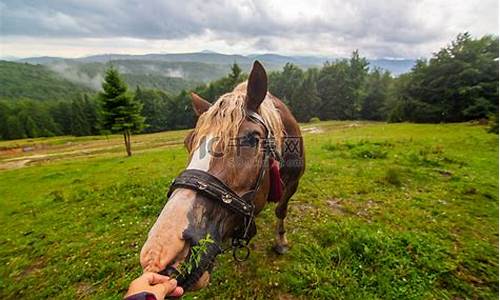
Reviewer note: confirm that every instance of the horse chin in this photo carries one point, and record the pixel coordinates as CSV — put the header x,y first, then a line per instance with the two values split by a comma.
x,y
202,282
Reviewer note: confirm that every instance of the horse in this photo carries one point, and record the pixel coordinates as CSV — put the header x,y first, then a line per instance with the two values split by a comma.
x,y
245,151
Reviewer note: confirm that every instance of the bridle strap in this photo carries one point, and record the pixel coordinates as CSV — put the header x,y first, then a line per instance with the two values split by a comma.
x,y
209,185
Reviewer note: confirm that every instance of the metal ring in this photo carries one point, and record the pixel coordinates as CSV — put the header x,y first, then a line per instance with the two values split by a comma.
x,y
246,253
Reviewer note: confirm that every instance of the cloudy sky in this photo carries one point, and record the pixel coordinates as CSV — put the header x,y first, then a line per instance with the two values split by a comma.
x,y
396,29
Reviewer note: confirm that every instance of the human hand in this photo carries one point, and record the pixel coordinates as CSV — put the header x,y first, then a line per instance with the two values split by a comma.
x,y
157,284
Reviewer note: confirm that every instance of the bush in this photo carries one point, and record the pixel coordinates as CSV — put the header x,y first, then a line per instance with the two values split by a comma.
x,y
393,176
493,124
314,120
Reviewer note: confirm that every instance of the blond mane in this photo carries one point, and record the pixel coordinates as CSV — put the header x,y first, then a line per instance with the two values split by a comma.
x,y
224,118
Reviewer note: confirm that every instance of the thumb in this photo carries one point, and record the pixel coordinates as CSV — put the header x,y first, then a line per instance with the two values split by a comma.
x,y
169,285
164,288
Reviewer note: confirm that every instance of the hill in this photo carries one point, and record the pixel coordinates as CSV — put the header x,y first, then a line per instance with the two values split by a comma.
x,y
64,79
22,80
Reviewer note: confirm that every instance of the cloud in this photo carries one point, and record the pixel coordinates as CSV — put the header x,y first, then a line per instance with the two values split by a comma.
x,y
329,27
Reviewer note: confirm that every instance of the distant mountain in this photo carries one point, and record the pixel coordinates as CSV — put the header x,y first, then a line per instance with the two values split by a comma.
x,y
223,61
41,60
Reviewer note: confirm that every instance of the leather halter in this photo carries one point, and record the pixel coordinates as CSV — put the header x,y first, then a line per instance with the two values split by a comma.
x,y
213,188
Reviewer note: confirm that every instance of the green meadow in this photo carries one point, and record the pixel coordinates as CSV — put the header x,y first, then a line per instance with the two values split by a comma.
x,y
384,211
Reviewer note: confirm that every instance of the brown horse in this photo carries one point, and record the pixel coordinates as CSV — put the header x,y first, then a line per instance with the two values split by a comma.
x,y
235,147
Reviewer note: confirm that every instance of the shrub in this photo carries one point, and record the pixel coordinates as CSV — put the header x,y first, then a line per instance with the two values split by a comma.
x,y
314,120
393,176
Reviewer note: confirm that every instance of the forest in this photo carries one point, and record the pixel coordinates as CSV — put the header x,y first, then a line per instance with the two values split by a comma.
x,y
458,83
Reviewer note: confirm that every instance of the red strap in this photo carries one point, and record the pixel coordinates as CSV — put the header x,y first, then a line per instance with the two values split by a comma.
x,y
276,190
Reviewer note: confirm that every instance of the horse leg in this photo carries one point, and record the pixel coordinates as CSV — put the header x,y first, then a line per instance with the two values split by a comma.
x,y
281,243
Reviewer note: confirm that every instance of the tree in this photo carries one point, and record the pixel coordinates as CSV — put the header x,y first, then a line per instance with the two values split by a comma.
x,y
4,114
15,129
305,100
79,122
91,112
334,91
459,83
235,75
377,91
283,85
358,71
155,110
62,115
224,85
120,112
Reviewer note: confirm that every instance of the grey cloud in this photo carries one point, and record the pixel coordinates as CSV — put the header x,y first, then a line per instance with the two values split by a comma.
x,y
379,26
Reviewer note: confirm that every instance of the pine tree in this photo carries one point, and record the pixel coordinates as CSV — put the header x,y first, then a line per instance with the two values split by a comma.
x,y
235,75
120,112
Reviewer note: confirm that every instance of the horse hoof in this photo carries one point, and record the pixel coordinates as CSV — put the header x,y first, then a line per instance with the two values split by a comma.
x,y
280,249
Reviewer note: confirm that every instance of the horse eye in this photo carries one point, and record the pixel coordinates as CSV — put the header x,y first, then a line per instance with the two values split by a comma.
x,y
250,140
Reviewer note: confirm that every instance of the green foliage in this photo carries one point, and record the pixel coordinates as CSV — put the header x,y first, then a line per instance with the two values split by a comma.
x,y
26,81
120,111
393,176
494,123
215,89
377,92
197,251
362,149
341,88
460,82
31,118
314,120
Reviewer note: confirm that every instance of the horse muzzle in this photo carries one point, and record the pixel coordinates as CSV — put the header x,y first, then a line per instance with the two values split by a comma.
x,y
189,272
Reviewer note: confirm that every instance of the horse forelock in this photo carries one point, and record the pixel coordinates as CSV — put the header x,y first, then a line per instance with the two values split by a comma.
x,y
224,118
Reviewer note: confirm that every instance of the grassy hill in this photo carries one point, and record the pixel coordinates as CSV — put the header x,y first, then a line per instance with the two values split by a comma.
x,y
400,211
63,80
21,80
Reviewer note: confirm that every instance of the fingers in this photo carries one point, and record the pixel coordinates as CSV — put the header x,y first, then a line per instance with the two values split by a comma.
x,y
167,288
177,292
155,278
164,285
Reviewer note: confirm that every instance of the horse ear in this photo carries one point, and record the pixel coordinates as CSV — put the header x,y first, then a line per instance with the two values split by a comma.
x,y
200,105
256,87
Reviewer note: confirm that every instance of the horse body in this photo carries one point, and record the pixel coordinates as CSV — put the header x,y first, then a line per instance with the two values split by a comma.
x,y
190,215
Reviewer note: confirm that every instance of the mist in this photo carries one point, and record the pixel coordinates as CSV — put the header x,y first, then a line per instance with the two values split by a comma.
x,y
69,73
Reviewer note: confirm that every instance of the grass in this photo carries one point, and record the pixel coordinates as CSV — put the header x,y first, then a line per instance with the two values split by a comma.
x,y
399,211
